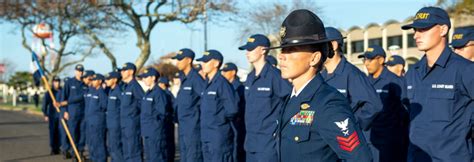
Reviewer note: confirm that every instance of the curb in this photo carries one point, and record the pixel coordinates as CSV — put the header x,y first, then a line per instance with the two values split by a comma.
x,y
23,110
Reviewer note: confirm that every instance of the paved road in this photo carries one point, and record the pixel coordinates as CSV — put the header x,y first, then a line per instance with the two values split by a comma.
x,y
24,137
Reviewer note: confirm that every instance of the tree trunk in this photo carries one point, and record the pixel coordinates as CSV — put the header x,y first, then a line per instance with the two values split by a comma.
x,y
144,54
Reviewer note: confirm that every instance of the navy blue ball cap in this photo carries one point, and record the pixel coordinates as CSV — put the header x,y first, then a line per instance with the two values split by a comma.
x,y
372,52
112,75
149,72
164,80
88,73
427,17
211,54
56,78
462,36
79,67
183,53
98,77
229,66
395,60
334,35
128,66
272,60
254,41
302,27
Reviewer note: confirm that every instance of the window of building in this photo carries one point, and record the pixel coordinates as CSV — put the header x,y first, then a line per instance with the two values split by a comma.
x,y
411,41
358,46
375,41
394,40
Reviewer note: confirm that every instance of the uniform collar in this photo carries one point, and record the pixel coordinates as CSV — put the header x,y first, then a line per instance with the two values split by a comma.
x,y
441,61
339,69
341,66
382,75
214,78
385,72
296,93
183,76
444,57
264,71
311,88
152,88
236,81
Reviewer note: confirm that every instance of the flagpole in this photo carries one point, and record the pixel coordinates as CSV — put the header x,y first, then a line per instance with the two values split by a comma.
x,y
63,122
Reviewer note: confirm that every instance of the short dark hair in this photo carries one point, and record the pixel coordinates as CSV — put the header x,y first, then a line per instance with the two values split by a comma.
x,y
340,46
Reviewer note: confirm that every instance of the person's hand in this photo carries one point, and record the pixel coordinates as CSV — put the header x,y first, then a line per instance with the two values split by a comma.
x,y
66,115
56,104
46,118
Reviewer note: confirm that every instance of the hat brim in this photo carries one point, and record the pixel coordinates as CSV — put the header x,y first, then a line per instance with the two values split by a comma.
x,y
144,75
204,59
178,57
459,43
390,63
335,39
299,44
112,77
418,25
247,47
227,69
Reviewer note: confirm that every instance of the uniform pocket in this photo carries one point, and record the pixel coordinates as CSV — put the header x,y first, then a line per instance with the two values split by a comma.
x,y
297,133
440,104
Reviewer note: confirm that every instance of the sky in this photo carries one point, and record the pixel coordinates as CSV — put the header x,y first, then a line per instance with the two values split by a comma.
x,y
170,37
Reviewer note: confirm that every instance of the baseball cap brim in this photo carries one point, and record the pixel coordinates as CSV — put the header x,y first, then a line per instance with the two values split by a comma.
x,y
204,59
459,43
111,77
418,25
390,63
227,69
178,57
367,56
248,47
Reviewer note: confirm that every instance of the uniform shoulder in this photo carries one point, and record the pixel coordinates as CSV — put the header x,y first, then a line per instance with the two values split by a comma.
x,y
274,71
330,95
353,70
329,100
460,61
392,76
159,92
223,81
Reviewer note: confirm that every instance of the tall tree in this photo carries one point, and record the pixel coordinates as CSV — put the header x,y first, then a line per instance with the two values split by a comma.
x,y
266,18
457,7
73,47
142,18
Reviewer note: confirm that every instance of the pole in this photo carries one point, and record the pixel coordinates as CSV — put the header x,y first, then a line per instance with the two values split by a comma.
x,y
205,25
63,122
